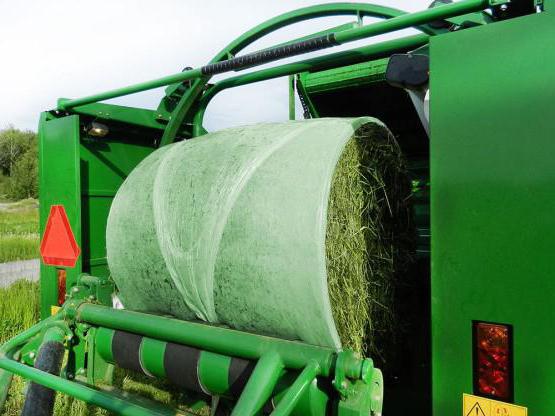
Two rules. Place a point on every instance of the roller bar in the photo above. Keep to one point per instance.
(295, 355)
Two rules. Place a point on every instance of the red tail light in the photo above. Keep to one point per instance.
(493, 360)
(61, 273)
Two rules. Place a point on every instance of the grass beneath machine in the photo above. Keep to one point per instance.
(19, 309)
(19, 235)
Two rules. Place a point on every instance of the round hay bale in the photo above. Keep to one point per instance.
(284, 229)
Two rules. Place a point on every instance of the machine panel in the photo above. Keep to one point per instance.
(493, 227)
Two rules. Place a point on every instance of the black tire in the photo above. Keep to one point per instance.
(39, 400)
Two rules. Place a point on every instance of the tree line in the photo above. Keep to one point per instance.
(18, 164)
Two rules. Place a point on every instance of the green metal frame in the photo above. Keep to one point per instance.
(492, 202)
(282, 366)
(396, 20)
(314, 64)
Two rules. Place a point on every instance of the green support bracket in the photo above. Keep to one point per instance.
(297, 389)
(395, 20)
(260, 386)
(359, 403)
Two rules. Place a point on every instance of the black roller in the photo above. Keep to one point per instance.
(126, 349)
(39, 400)
(181, 365)
(239, 373)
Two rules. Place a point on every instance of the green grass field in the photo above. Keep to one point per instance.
(19, 234)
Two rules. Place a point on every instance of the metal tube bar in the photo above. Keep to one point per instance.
(64, 104)
(295, 392)
(79, 391)
(413, 19)
(318, 63)
(366, 31)
(26, 335)
(260, 386)
(295, 355)
(54, 333)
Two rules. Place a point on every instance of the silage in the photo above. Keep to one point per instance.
(228, 228)
(367, 239)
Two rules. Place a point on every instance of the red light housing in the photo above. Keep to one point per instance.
(493, 360)
(61, 274)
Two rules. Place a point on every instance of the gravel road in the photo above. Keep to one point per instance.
(15, 270)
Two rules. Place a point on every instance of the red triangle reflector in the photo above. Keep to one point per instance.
(58, 246)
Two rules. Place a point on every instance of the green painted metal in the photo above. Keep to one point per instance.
(309, 108)
(83, 173)
(295, 355)
(59, 184)
(152, 356)
(185, 110)
(55, 333)
(492, 176)
(300, 394)
(260, 386)
(82, 392)
(98, 371)
(313, 64)
(396, 21)
(213, 370)
(351, 76)
(103, 343)
(294, 393)
(104, 165)
(129, 115)
(240, 43)
(412, 20)
(66, 104)
(359, 403)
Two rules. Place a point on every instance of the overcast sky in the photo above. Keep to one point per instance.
(72, 48)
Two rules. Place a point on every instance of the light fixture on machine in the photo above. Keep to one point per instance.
(96, 129)
(411, 72)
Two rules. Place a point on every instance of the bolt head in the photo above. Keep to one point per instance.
(366, 370)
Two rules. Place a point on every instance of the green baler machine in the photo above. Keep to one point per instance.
(468, 101)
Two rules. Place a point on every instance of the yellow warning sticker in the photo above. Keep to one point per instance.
(480, 406)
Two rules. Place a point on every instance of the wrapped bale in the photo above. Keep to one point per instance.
(285, 229)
